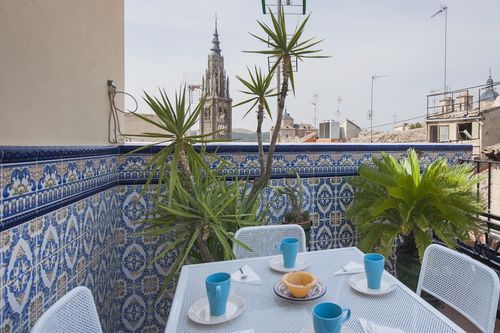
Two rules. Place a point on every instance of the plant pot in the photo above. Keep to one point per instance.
(408, 271)
(306, 225)
(407, 268)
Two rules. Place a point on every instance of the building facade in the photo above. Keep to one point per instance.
(460, 119)
(291, 132)
(216, 117)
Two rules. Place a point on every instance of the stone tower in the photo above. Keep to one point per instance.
(217, 111)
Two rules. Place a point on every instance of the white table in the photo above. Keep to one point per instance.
(267, 313)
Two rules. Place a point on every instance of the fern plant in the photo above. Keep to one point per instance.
(395, 199)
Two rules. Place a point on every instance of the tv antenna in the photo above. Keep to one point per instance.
(444, 9)
(370, 115)
(339, 101)
(314, 102)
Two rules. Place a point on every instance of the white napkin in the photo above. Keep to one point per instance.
(378, 328)
(251, 330)
(252, 277)
(351, 268)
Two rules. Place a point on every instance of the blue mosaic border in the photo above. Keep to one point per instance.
(18, 154)
(52, 177)
(312, 147)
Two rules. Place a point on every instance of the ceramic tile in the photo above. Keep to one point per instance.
(94, 241)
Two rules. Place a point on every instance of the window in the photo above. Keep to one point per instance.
(433, 134)
(444, 135)
(465, 131)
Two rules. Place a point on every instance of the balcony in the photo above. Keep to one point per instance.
(69, 218)
(71, 194)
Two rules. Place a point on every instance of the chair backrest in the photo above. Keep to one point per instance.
(463, 283)
(263, 239)
(75, 312)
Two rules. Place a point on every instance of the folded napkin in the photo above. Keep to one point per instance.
(251, 330)
(378, 328)
(351, 268)
(252, 277)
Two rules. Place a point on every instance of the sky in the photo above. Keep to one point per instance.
(165, 39)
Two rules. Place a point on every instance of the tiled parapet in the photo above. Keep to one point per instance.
(44, 258)
(68, 217)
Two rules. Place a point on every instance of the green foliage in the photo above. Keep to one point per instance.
(214, 205)
(416, 125)
(174, 126)
(200, 210)
(283, 46)
(296, 198)
(259, 88)
(393, 198)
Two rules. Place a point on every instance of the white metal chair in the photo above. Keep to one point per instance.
(263, 239)
(463, 283)
(75, 312)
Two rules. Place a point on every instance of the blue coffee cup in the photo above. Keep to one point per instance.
(218, 286)
(288, 248)
(374, 267)
(329, 317)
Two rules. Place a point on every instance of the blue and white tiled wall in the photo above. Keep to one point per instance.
(68, 217)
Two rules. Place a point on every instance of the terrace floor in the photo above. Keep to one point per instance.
(463, 322)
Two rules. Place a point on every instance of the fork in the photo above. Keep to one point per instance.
(243, 275)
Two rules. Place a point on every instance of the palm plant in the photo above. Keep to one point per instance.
(282, 48)
(212, 205)
(394, 198)
(199, 209)
(258, 88)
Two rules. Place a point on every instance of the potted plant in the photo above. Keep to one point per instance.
(397, 204)
(297, 214)
(284, 47)
(197, 211)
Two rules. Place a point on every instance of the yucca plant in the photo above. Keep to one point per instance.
(396, 199)
(283, 48)
(200, 210)
(259, 88)
(212, 205)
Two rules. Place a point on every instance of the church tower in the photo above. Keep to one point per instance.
(217, 111)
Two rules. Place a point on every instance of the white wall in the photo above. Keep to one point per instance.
(55, 59)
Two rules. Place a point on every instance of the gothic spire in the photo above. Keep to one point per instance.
(215, 41)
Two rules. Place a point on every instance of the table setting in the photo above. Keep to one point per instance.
(292, 293)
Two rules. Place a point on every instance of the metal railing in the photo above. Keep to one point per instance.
(486, 247)
(457, 101)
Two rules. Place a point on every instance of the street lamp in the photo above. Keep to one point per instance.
(374, 77)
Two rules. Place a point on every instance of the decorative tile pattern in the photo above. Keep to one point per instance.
(44, 258)
(72, 216)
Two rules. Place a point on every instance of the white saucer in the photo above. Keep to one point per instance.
(310, 329)
(199, 312)
(358, 283)
(276, 263)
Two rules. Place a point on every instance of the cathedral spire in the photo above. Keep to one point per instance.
(215, 41)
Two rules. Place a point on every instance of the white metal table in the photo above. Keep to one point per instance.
(267, 313)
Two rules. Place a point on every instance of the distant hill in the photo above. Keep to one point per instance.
(245, 135)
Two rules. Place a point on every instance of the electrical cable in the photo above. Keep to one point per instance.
(114, 129)
(398, 122)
